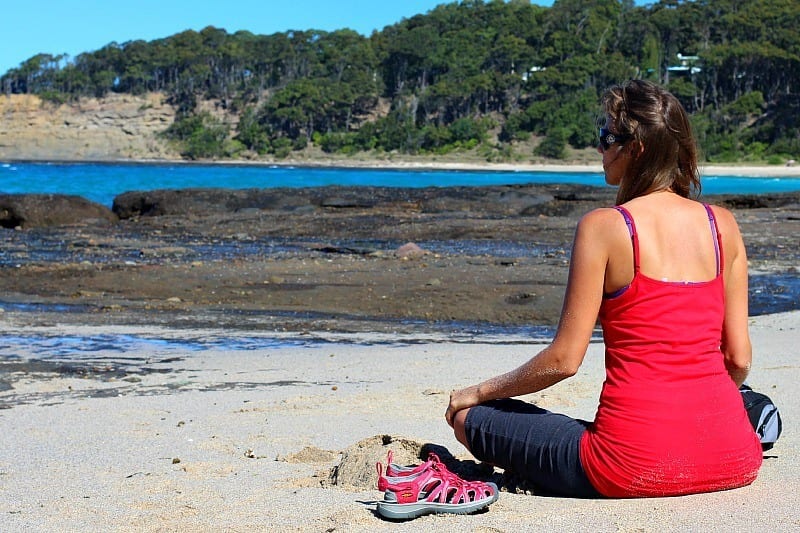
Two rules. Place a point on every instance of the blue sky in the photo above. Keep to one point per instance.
(75, 26)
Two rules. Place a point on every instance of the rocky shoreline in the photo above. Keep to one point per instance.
(329, 258)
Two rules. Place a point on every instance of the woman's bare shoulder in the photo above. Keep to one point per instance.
(601, 218)
(725, 219)
(603, 224)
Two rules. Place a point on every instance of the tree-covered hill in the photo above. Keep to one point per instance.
(470, 74)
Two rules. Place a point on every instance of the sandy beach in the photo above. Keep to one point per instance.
(175, 373)
(469, 163)
(202, 433)
(753, 171)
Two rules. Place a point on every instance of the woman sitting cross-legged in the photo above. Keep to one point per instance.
(667, 277)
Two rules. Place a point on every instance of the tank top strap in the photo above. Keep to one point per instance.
(634, 237)
(717, 238)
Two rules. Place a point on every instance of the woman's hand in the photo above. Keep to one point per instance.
(459, 400)
(582, 301)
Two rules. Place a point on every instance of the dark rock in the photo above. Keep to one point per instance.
(42, 210)
(757, 201)
(497, 200)
(344, 203)
(200, 202)
(332, 249)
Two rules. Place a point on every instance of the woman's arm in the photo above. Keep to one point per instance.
(736, 347)
(563, 357)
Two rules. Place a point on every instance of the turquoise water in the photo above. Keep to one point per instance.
(102, 182)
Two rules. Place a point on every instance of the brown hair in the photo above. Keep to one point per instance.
(657, 121)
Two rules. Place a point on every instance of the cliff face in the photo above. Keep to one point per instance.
(115, 127)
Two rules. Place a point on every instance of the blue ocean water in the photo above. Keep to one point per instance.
(101, 182)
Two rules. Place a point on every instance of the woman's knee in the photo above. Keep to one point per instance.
(459, 429)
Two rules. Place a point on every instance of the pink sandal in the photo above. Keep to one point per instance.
(395, 470)
(429, 488)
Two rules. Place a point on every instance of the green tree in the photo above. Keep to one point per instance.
(554, 145)
(199, 136)
(414, 85)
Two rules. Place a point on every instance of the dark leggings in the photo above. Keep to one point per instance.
(531, 442)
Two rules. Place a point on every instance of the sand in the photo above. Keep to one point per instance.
(753, 171)
(789, 170)
(169, 438)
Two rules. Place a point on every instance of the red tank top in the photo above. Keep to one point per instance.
(670, 419)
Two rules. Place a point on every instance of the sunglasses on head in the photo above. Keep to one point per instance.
(607, 138)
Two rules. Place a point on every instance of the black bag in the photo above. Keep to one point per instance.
(763, 415)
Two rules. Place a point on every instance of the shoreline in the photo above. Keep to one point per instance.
(733, 170)
(247, 439)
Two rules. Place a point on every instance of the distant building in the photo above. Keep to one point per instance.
(527, 75)
(686, 65)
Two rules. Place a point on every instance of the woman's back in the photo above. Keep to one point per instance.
(670, 419)
(676, 242)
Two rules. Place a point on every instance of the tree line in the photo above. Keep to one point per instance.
(472, 74)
